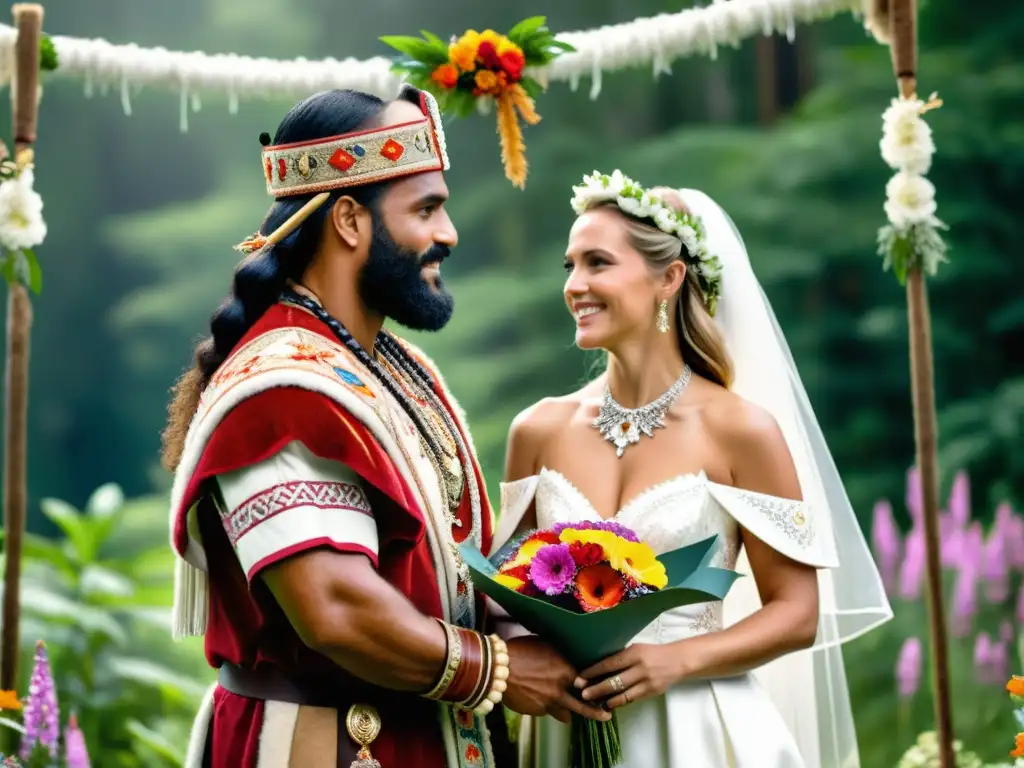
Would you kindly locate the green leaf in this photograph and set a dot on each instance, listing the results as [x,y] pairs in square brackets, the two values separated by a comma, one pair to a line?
[8,269]
[40,601]
[13,725]
[150,674]
[74,525]
[533,89]
[41,549]
[22,269]
[35,272]
[525,28]
[433,39]
[101,582]
[156,742]
[420,50]
[48,59]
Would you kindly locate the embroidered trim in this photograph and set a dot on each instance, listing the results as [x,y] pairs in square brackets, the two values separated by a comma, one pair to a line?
[299,493]
[788,515]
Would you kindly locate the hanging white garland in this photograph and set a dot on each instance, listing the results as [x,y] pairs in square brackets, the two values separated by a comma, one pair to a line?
[654,42]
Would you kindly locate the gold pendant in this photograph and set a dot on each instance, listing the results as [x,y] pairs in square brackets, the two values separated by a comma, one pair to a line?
[363,725]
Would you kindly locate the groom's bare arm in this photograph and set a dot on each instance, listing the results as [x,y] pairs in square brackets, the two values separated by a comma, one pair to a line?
[341,607]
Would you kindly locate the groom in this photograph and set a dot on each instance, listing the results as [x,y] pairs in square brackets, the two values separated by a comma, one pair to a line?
[324,476]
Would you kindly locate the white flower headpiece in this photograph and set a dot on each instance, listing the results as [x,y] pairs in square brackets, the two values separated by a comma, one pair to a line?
[635,200]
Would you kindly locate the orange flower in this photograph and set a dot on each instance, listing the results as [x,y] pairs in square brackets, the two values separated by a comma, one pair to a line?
[1018,750]
[486,81]
[1016,686]
[9,700]
[445,75]
[598,587]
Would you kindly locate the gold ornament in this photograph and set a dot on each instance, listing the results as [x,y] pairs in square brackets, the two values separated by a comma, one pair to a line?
[363,725]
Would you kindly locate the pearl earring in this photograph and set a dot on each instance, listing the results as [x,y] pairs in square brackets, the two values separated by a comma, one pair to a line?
[663,317]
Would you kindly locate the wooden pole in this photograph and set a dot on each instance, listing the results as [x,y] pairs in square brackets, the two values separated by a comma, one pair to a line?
[28,19]
[903,32]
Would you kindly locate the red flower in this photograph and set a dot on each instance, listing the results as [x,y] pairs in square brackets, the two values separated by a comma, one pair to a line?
[521,572]
[599,587]
[513,62]
[488,55]
[586,554]
[473,754]
[546,536]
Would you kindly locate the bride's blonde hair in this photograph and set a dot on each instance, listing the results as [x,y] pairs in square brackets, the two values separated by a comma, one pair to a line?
[700,341]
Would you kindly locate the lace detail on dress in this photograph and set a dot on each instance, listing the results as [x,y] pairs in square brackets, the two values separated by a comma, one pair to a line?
[788,515]
[708,620]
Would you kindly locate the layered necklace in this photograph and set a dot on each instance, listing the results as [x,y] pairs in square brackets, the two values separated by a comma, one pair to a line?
[622,427]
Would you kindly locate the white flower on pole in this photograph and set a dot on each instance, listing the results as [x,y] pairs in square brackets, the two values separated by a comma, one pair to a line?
[910,199]
[21,213]
[907,143]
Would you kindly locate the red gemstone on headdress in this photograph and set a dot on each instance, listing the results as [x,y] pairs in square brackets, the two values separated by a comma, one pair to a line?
[341,160]
[282,168]
[268,169]
[392,150]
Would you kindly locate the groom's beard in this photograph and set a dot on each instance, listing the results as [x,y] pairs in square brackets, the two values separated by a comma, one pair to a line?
[392,284]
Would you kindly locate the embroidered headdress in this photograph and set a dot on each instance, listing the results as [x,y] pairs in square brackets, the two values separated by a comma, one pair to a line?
[349,160]
[633,199]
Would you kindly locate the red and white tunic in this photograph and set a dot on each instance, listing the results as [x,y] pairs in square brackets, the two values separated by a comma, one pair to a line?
[296,446]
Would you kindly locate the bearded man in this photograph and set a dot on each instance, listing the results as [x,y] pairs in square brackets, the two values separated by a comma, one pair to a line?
[324,476]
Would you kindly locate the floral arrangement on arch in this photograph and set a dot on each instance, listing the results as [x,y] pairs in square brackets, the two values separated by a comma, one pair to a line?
[911,238]
[22,226]
[40,724]
[472,71]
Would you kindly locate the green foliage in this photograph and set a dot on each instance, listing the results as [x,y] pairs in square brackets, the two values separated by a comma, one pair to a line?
[48,60]
[99,597]
[22,267]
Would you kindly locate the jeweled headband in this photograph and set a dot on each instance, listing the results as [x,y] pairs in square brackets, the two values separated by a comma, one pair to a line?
[632,198]
[349,160]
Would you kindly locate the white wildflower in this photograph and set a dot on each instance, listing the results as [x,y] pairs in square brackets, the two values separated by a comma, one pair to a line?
[21,213]
[910,199]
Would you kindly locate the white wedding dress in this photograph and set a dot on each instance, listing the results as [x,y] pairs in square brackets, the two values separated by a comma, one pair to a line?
[722,723]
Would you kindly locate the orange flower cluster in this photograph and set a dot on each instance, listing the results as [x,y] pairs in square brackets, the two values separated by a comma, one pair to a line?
[485,62]
[1016,690]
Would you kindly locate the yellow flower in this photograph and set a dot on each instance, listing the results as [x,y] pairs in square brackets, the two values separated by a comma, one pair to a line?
[636,559]
[491,36]
[525,554]
[462,53]
[9,700]
[507,46]
[509,581]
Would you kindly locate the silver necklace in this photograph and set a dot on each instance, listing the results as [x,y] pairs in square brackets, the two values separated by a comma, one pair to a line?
[623,426]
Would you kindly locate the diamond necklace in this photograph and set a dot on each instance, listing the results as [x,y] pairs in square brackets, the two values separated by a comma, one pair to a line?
[623,426]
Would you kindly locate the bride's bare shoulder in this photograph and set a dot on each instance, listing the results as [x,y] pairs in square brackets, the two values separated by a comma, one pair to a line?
[537,425]
[754,443]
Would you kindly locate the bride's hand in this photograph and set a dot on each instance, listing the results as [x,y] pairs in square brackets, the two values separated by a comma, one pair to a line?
[640,671]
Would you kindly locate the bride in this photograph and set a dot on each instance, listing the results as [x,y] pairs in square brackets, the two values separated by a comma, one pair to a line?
[698,426]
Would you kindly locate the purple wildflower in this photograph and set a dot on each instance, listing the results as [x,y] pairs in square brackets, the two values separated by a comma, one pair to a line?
[960,500]
[908,667]
[965,600]
[604,525]
[41,716]
[886,539]
[912,570]
[915,500]
[75,753]
[994,567]
[552,569]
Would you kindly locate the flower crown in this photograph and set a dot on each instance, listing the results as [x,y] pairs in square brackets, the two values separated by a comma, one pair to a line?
[633,199]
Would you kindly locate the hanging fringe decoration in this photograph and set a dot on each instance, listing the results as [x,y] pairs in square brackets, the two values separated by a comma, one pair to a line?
[513,148]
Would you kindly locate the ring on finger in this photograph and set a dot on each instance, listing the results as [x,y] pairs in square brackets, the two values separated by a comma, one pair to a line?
[617,685]
[625,695]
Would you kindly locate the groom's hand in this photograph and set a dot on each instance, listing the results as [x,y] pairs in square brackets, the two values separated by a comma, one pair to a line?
[540,683]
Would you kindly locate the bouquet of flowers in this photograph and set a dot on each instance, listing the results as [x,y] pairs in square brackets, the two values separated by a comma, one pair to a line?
[588,588]
[480,67]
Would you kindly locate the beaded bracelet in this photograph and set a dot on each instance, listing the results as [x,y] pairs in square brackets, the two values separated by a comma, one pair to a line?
[475,673]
